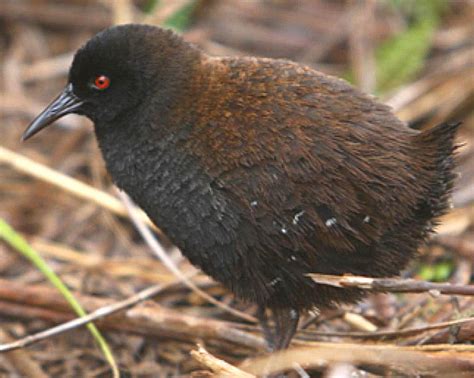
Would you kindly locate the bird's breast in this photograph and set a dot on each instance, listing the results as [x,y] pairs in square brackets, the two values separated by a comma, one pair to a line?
[174,191]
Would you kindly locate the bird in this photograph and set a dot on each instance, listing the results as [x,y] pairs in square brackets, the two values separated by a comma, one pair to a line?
[260,170]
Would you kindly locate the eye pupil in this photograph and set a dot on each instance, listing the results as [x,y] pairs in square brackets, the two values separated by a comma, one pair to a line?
[102,82]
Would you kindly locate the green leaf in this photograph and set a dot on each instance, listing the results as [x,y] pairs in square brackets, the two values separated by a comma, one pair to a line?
[426,272]
[150,6]
[181,19]
[400,58]
[438,272]
[443,271]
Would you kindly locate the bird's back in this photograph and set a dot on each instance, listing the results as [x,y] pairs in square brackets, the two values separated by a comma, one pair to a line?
[276,170]
[325,179]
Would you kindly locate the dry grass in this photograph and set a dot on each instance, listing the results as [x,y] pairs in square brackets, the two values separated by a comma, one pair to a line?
[83,230]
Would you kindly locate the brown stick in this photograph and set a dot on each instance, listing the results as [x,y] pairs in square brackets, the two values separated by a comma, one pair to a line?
[22,361]
[448,359]
[71,185]
[47,68]
[464,245]
[218,366]
[41,302]
[57,15]
[465,325]
[393,285]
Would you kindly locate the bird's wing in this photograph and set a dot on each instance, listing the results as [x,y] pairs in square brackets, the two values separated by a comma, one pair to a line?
[306,160]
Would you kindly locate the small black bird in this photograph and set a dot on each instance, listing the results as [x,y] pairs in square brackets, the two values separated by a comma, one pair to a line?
[260,170]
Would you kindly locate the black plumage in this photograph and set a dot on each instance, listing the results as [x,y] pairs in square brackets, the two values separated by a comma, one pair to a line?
[260,170]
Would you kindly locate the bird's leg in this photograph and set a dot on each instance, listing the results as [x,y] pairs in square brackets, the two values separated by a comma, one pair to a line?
[286,323]
[267,331]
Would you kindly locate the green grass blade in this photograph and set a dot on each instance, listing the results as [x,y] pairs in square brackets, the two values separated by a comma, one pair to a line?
[181,19]
[10,236]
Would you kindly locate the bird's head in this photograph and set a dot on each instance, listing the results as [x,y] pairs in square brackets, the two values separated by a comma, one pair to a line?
[115,70]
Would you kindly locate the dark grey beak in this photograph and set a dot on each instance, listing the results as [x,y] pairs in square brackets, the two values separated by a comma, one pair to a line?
[67,102]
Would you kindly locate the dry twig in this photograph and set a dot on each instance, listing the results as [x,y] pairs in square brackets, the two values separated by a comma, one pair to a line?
[447,359]
[22,361]
[97,314]
[66,183]
[394,285]
[41,302]
[218,366]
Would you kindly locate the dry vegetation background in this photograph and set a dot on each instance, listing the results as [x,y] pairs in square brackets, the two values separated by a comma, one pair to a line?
[418,56]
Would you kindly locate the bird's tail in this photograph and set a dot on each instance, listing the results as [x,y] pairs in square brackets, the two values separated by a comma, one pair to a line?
[435,147]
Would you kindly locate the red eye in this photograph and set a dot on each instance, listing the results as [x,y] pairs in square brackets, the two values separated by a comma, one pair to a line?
[102,82]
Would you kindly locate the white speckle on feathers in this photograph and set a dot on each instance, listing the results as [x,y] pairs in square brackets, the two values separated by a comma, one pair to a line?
[297,217]
[275,281]
[331,222]
[293,314]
